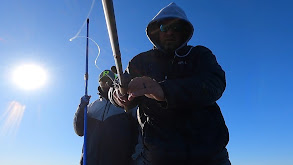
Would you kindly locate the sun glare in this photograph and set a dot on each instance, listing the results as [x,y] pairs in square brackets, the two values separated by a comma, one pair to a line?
[11,118]
[29,76]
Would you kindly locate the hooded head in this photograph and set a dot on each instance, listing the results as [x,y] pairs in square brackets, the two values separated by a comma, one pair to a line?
[170,13]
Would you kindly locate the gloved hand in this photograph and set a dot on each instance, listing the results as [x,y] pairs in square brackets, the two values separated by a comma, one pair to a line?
[84,101]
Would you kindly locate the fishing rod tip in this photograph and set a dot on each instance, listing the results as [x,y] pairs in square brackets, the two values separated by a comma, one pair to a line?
[71,39]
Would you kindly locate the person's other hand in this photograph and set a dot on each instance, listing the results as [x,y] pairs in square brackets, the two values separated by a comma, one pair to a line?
[120,99]
[84,101]
[146,86]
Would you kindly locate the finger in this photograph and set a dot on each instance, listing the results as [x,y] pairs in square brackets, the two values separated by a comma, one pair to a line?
[117,96]
[120,100]
[89,97]
[150,89]
[135,84]
[117,100]
[139,83]
[131,97]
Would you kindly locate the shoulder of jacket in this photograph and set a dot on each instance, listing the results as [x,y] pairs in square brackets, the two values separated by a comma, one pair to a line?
[143,56]
[202,48]
[147,53]
[98,103]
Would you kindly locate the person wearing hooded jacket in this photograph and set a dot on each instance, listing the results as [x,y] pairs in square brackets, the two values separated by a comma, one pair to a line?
[176,87]
[112,134]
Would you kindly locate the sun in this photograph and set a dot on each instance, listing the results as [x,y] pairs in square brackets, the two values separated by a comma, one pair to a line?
[29,76]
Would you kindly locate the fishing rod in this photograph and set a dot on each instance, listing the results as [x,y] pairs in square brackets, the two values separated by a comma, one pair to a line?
[112,31]
[86,76]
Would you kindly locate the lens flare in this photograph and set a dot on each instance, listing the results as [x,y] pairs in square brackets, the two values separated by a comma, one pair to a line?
[11,118]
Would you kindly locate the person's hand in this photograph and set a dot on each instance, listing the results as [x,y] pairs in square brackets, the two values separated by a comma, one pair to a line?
[84,101]
[146,86]
[120,99]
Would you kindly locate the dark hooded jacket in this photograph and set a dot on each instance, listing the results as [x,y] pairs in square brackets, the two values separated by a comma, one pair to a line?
[187,128]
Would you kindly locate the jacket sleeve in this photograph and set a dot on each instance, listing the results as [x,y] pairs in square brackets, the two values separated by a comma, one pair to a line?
[78,121]
[204,87]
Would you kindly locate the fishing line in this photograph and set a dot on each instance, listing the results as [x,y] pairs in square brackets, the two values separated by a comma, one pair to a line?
[89,13]
[99,52]
[77,36]
[99,49]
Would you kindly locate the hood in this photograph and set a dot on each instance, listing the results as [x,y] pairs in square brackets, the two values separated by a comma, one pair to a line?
[172,11]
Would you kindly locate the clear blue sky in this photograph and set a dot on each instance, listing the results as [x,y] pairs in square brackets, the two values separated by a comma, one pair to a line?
[252,40]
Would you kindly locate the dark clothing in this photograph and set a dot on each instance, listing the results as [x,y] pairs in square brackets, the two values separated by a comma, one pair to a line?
[118,140]
[93,140]
[111,133]
[189,126]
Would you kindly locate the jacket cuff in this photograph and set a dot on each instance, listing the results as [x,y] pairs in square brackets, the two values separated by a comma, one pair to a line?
[164,104]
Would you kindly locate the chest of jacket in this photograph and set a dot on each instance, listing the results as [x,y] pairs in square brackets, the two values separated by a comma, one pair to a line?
[161,67]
